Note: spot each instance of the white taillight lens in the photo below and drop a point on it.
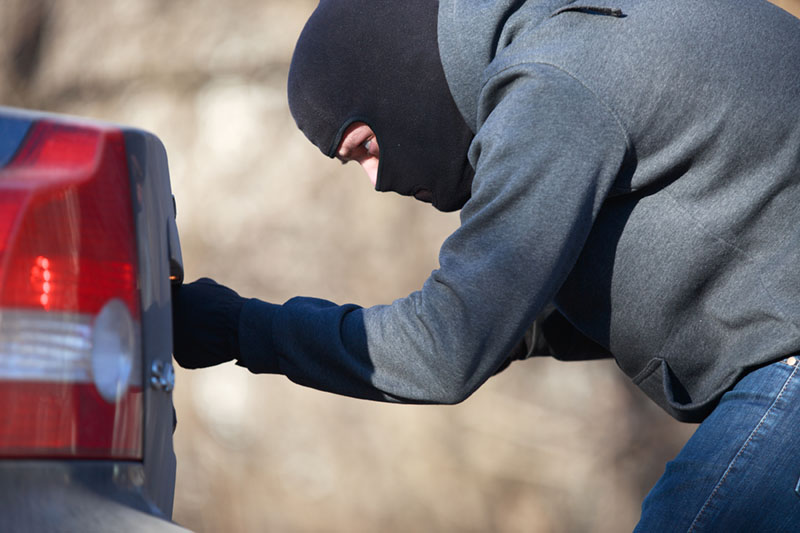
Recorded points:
(40, 346)
(113, 349)
(70, 367)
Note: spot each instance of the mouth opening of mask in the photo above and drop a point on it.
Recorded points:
(424, 195)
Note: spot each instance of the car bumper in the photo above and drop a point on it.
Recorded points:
(84, 496)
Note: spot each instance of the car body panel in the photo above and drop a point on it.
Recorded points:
(155, 215)
(76, 496)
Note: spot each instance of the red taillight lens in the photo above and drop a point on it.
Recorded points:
(70, 365)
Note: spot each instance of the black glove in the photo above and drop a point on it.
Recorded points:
(205, 323)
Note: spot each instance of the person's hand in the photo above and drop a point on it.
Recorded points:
(205, 323)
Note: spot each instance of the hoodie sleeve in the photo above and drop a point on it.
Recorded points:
(546, 154)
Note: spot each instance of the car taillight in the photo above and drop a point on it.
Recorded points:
(70, 361)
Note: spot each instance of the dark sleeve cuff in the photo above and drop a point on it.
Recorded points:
(256, 341)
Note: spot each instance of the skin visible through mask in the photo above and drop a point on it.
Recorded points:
(360, 145)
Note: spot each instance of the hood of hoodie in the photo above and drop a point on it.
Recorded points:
(377, 62)
(471, 34)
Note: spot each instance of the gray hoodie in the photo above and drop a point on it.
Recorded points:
(637, 163)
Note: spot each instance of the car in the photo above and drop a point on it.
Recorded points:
(89, 250)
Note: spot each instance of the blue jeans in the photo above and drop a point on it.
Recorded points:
(740, 471)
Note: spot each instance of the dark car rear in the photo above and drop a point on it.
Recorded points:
(88, 248)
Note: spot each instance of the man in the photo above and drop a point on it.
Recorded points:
(628, 175)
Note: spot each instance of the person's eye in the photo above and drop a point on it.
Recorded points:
(366, 144)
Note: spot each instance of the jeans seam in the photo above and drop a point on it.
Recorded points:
(741, 451)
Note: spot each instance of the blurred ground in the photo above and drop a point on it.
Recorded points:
(543, 447)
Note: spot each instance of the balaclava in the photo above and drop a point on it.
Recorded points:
(377, 62)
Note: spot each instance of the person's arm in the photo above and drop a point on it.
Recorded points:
(546, 154)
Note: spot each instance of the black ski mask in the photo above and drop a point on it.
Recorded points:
(377, 62)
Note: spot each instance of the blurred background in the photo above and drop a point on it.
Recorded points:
(542, 447)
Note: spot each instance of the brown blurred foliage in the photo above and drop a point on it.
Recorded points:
(543, 447)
